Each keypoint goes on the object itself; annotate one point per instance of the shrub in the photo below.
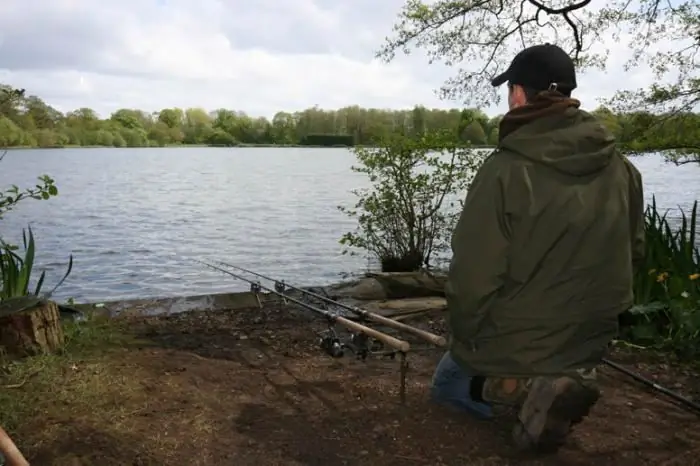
(408, 213)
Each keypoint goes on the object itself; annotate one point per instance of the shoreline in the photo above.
(355, 291)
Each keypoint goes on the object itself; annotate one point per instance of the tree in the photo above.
(10, 197)
(664, 36)
(409, 211)
(31, 122)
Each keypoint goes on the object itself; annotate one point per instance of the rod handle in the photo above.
(10, 451)
(398, 345)
(436, 340)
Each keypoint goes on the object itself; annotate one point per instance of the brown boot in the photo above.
(552, 406)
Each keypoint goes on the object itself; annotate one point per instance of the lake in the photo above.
(135, 218)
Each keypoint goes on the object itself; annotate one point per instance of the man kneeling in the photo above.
(542, 259)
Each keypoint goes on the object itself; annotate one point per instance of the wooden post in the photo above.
(30, 326)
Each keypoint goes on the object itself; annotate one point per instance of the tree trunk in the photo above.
(30, 326)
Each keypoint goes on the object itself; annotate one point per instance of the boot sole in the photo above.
(552, 408)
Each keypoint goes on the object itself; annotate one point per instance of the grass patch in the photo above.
(77, 380)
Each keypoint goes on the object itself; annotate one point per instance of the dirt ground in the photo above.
(252, 388)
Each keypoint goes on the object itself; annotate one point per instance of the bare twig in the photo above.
(24, 381)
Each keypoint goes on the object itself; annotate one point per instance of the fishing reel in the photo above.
(360, 345)
(363, 346)
(331, 344)
(255, 287)
(280, 287)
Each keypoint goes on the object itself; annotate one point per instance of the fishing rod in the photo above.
(332, 345)
(281, 287)
(686, 402)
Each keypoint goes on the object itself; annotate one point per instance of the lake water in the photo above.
(134, 218)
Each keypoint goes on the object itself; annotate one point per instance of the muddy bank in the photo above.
(217, 380)
(252, 387)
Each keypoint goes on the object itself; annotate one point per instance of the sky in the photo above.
(260, 56)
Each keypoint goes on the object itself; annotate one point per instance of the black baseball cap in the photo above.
(539, 68)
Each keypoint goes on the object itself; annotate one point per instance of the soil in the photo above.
(252, 387)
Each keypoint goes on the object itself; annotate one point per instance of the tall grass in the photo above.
(667, 286)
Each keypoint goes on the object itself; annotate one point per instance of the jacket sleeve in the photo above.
(480, 243)
(636, 205)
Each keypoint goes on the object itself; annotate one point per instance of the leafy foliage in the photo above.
(408, 213)
(482, 37)
(10, 197)
(29, 121)
(32, 123)
(667, 285)
(671, 256)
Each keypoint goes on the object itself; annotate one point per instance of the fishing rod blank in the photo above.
(687, 402)
(398, 345)
(377, 318)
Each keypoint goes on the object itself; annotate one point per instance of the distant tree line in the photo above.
(30, 122)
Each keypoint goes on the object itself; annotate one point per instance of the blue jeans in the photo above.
(451, 386)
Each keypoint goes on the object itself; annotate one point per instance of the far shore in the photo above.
(183, 146)
(250, 146)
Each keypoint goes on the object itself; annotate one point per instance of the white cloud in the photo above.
(258, 57)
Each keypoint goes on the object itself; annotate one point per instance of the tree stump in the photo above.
(30, 326)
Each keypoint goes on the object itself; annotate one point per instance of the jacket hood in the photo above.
(573, 142)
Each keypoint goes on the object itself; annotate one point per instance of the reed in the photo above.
(667, 286)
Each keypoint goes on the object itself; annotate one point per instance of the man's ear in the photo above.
(518, 96)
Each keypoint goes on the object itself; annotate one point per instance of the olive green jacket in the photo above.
(543, 251)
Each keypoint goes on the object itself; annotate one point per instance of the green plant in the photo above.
(408, 213)
(11, 196)
(16, 272)
(667, 286)
(671, 257)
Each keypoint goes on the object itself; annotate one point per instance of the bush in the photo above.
(409, 212)
(667, 287)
